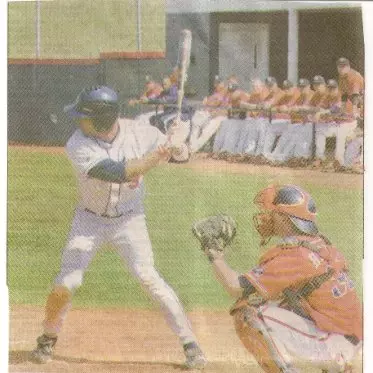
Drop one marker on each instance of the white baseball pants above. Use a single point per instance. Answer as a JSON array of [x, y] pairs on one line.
[[129, 236], [299, 340]]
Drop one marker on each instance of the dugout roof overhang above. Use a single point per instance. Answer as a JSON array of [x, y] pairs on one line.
[[213, 6]]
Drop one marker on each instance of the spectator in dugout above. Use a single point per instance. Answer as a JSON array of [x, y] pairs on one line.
[[280, 117]]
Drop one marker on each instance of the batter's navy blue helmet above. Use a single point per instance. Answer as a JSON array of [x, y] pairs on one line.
[[98, 103]]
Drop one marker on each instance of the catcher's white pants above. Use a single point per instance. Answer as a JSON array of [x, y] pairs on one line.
[[129, 236], [299, 340], [338, 130]]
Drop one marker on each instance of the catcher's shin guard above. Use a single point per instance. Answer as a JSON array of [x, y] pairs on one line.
[[255, 337]]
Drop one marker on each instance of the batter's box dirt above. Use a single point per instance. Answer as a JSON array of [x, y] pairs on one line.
[[127, 341]]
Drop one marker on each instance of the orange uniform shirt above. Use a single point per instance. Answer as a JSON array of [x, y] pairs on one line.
[[334, 306], [329, 102], [303, 99], [257, 97], [351, 83], [287, 99], [153, 92], [218, 98]]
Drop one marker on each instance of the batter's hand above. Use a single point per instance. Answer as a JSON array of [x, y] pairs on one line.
[[163, 153]]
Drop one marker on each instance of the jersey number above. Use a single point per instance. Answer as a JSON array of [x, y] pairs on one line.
[[343, 286]]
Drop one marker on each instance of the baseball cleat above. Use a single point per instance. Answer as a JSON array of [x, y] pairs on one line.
[[44, 351], [195, 359]]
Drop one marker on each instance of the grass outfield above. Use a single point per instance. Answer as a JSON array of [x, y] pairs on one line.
[[41, 200]]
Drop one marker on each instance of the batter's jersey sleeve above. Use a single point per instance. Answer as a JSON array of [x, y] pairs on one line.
[[149, 138], [84, 152]]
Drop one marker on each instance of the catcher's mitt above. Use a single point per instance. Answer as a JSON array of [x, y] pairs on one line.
[[214, 233]]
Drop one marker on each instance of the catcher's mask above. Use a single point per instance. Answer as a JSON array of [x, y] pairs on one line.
[[289, 200], [98, 103]]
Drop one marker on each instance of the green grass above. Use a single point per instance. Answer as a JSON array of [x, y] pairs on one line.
[[41, 200]]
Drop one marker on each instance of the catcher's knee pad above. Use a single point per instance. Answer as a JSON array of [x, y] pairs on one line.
[[254, 335], [58, 300]]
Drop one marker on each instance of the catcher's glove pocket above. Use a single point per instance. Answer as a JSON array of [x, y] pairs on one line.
[[215, 232]]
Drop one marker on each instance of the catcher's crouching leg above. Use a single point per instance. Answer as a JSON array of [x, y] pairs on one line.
[[254, 335]]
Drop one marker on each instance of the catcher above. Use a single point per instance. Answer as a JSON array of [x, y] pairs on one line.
[[298, 304]]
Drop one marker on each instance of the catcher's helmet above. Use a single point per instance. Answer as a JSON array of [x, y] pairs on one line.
[[292, 201], [98, 103]]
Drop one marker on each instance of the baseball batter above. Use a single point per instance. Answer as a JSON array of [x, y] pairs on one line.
[[110, 156], [299, 303]]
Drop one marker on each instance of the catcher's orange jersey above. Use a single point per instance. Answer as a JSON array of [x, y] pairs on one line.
[[303, 99], [287, 99], [351, 83], [334, 306]]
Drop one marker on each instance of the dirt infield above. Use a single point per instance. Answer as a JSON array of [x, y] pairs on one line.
[[280, 174], [127, 341], [116, 340]]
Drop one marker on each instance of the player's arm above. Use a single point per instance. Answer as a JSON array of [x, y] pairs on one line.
[[119, 172], [233, 282]]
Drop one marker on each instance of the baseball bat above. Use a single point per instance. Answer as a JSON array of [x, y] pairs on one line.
[[185, 46]]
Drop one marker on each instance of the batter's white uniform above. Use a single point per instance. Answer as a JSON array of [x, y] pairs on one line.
[[114, 213]]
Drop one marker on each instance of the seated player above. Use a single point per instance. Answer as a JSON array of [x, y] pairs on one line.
[[354, 154], [299, 145], [152, 90], [298, 305], [275, 94], [231, 128], [168, 99], [206, 122], [326, 125], [280, 120], [249, 137], [285, 147]]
